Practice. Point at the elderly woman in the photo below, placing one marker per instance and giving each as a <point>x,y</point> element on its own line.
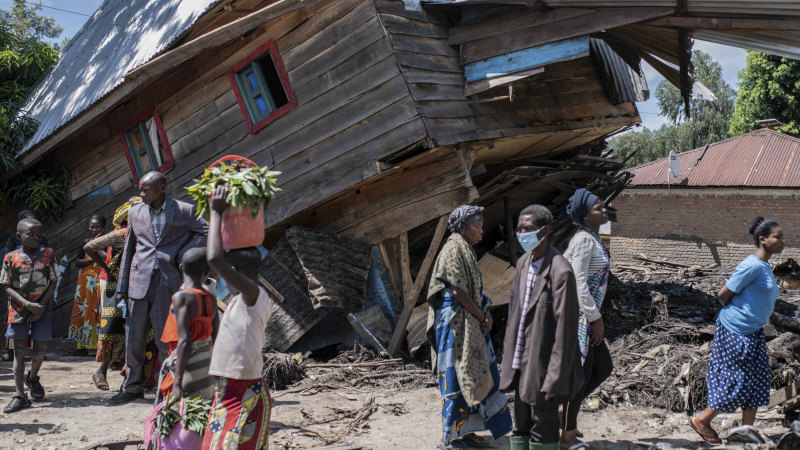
<point>106,252</point>
<point>590,262</point>
<point>738,369</point>
<point>458,331</point>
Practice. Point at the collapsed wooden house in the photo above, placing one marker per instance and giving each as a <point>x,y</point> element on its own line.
<point>382,115</point>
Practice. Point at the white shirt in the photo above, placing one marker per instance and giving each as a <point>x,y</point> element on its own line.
<point>241,336</point>
<point>586,257</point>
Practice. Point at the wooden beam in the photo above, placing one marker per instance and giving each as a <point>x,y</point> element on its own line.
<point>221,35</point>
<point>422,277</point>
<point>512,22</point>
<point>503,65</point>
<point>405,266</point>
<point>727,24</point>
<point>391,269</point>
<point>476,87</point>
<point>557,31</point>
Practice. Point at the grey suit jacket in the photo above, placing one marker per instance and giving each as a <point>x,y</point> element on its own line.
<point>144,253</point>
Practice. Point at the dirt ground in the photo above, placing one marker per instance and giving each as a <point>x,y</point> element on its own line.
<point>72,416</point>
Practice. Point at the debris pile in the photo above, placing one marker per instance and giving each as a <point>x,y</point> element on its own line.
<point>357,367</point>
<point>282,369</point>
<point>660,320</point>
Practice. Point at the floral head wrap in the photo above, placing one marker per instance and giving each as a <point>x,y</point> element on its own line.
<point>121,214</point>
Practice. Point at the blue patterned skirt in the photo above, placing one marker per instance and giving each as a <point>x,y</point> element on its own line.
<point>458,418</point>
<point>738,371</point>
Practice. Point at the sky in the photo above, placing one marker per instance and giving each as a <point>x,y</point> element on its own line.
<point>732,59</point>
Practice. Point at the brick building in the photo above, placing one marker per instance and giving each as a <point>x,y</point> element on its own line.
<point>700,216</point>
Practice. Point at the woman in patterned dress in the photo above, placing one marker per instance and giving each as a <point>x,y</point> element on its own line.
<point>83,325</point>
<point>458,330</point>
<point>106,251</point>
<point>738,369</point>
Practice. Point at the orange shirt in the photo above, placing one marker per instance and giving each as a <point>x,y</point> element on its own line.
<point>200,326</point>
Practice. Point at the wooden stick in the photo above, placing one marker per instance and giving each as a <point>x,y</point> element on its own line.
<point>364,364</point>
<point>422,277</point>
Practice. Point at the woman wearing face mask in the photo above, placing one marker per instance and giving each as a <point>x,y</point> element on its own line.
<point>589,258</point>
<point>458,330</point>
<point>738,369</point>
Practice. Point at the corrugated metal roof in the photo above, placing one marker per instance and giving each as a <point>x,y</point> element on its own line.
<point>620,79</point>
<point>120,36</point>
<point>762,158</point>
<point>781,43</point>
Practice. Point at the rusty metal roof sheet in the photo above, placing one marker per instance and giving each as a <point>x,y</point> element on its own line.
<point>762,158</point>
<point>120,36</point>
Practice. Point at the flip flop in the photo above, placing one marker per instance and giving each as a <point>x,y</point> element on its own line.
<point>473,440</point>
<point>452,446</point>
<point>712,438</point>
<point>102,385</point>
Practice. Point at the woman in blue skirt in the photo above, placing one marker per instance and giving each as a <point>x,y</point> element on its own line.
<point>738,370</point>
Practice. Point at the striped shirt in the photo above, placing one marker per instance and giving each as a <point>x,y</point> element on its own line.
<point>159,218</point>
<point>519,349</point>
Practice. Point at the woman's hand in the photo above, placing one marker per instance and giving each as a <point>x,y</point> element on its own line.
<point>486,325</point>
<point>218,203</point>
<point>596,332</point>
<point>725,295</point>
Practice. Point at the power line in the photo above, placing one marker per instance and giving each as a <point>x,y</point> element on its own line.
<point>57,9</point>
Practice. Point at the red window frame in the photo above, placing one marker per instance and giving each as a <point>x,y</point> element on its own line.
<point>168,163</point>
<point>268,47</point>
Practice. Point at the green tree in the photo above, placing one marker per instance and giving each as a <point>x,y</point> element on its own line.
<point>27,24</point>
<point>708,123</point>
<point>769,89</point>
<point>24,58</point>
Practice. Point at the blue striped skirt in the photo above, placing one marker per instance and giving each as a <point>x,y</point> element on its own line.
<point>738,371</point>
<point>458,418</point>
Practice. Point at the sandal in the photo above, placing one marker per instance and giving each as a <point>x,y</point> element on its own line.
<point>17,403</point>
<point>453,444</point>
<point>473,440</point>
<point>100,384</point>
<point>712,438</point>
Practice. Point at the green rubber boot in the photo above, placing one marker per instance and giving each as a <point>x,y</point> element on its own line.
<point>519,442</point>
<point>537,446</point>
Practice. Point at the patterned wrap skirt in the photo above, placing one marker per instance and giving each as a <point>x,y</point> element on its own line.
<point>239,418</point>
<point>458,418</point>
<point>85,319</point>
<point>111,336</point>
<point>738,371</point>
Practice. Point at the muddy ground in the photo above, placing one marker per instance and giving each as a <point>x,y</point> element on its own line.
<point>72,416</point>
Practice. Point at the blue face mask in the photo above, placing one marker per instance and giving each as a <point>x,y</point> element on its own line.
<point>529,240</point>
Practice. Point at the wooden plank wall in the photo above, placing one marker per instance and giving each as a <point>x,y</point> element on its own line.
<point>354,109</point>
<point>435,77</point>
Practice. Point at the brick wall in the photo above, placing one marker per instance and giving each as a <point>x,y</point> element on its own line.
<point>700,226</point>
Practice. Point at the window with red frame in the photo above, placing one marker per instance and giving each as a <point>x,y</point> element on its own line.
<point>145,145</point>
<point>262,87</point>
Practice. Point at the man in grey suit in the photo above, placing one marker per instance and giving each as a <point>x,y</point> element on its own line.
<point>161,230</point>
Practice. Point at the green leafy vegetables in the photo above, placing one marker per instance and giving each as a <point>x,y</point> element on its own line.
<point>195,416</point>
<point>247,186</point>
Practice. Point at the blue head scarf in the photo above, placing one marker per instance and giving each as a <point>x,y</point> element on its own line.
<point>580,204</point>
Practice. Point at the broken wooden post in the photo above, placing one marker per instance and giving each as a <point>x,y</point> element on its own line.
<point>410,296</point>
<point>510,235</point>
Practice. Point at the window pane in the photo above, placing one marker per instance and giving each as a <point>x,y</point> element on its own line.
<point>251,78</point>
<point>262,107</point>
